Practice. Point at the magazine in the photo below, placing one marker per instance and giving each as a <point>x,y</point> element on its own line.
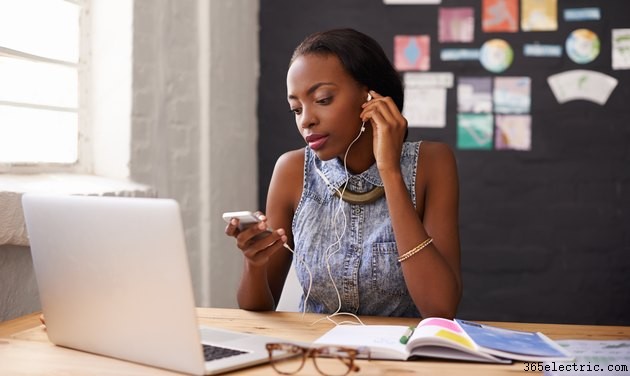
<point>448,339</point>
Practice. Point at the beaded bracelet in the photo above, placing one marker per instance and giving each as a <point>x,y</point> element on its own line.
<point>415,250</point>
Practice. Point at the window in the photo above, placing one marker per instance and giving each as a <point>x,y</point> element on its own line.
<point>39,82</point>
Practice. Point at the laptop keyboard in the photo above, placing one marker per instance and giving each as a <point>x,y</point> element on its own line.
<point>211,352</point>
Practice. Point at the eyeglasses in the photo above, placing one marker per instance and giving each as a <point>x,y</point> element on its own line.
<point>288,359</point>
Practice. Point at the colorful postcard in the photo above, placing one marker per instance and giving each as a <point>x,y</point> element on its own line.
<point>499,16</point>
<point>456,24</point>
<point>512,95</point>
<point>582,46</point>
<point>474,94</point>
<point>412,52</point>
<point>582,84</point>
<point>621,49</point>
<point>539,15</point>
<point>582,14</point>
<point>513,132</point>
<point>496,55</point>
<point>474,131</point>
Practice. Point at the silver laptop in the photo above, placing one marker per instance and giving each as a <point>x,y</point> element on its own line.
<point>114,280</point>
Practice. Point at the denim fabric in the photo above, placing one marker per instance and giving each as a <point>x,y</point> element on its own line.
<point>363,263</point>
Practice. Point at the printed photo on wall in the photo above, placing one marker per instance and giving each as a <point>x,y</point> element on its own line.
<point>582,84</point>
<point>425,98</point>
<point>499,16</point>
<point>496,55</point>
<point>474,94</point>
<point>513,132</point>
<point>539,15</point>
<point>582,46</point>
<point>474,131</point>
<point>412,52</point>
<point>512,95</point>
<point>456,24</point>
<point>621,49</point>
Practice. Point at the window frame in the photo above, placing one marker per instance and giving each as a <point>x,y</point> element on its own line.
<point>83,163</point>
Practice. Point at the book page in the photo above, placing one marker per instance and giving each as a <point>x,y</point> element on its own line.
<point>382,340</point>
<point>438,331</point>
<point>512,343</point>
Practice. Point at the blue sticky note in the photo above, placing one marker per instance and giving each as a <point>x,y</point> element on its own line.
<point>582,14</point>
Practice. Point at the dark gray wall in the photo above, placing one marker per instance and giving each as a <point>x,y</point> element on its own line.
<point>546,233</point>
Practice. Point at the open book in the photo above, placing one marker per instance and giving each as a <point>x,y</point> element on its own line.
<point>449,339</point>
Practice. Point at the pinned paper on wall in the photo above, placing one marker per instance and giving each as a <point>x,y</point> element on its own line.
<point>499,16</point>
<point>411,2</point>
<point>456,24</point>
<point>425,107</point>
<point>621,49</point>
<point>512,95</point>
<point>496,55</point>
<point>474,94</point>
<point>412,52</point>
<point>513,132</point>
<point>542,50</point>
<point>459,54</point>
<point>582,84</point>
<point>581,14</point>
<point>425,98</point>
<point>539,15</point>
<point>429,79</point>
<point>474,131</point>
<point>582,46</point>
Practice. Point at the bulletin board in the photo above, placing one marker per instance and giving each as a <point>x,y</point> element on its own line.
<point>533,96</point>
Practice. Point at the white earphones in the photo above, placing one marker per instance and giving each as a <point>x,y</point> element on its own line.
<point>369,98</point>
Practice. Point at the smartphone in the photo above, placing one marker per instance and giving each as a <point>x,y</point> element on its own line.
<point>245,220</point>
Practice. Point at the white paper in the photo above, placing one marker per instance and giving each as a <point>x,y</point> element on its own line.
<point>621,49</point>
<point>425,107</point>
<point>582,84</point>
<point>592,353</point>
<point>429,79</point>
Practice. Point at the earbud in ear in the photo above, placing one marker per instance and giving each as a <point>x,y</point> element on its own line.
<point>369,98</point>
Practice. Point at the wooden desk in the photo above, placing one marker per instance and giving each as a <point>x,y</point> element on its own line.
<point>25,349</point>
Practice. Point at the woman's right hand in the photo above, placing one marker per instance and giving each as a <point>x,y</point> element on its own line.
<point>256,242</point>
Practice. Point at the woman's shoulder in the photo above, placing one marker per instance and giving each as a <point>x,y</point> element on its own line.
<point>291,161</point>
<point>285,188</point>
<point>435,157</point>
<point>435,150</point>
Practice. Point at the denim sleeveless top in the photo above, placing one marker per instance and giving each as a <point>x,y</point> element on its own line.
<point>364,262</point>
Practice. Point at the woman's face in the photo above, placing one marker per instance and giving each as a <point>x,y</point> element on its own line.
<point>326,102</point>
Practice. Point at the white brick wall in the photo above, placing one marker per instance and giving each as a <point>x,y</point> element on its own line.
<point>194,124</point>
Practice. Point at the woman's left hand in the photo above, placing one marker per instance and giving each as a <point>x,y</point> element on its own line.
<point>388,130</point>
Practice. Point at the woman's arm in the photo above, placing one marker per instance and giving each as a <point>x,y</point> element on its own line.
<point>265,266</point>
<point>433,275</point>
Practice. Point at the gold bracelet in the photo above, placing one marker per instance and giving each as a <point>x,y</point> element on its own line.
<point>415,250</point>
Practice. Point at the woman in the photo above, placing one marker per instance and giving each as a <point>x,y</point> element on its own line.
<point>390,247</point>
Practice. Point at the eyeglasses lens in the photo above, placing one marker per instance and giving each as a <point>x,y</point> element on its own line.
<point>333,362</point>
<point>286,359</point>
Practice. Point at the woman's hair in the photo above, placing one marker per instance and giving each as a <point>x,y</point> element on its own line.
<point>361,56</point>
